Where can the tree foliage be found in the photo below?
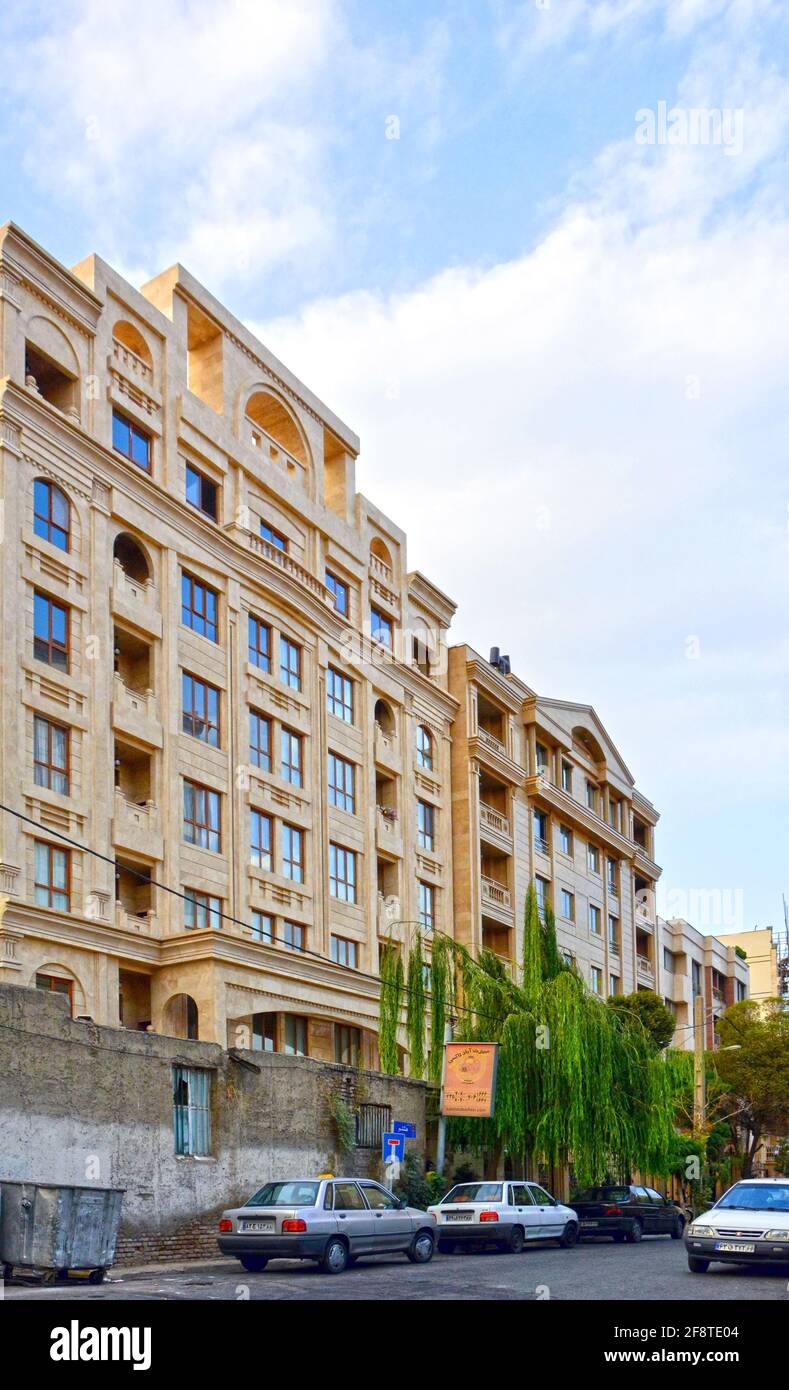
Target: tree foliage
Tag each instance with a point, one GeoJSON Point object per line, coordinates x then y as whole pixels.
{"type": "Point", "coordinates": [755, 1072]}
{"type": "Point", "coordinates": [646, 1010]}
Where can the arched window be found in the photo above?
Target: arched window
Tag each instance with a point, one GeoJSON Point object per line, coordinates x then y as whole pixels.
{"type": "Point", "coordinates": [384, 717]}
{"type": "Point", "coordinates": [424, 747]}
{"type": "Point", "coordinates": [131, 558]}
{"type": "Point", "coordinates": [51, 514]}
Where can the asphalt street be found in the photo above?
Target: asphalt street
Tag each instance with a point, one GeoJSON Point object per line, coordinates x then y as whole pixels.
{"type": "Point", "coordinates": [654, 1270]}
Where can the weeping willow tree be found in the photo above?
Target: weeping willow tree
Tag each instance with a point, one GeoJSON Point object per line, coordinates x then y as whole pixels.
{"type": "Point", "coordinates": [427, 992]}
{"type": "Point", "coordinates": [575, 1081]}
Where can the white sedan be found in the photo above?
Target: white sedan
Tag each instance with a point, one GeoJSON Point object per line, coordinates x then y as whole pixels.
{"type": "Point", "coordinates": [749, 1225]}
{"type": "Point", "coordinates": [504, 1214]}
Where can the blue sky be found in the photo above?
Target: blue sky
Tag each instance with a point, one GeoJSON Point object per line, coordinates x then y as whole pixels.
{"type": "Point", "coordinates": [566, 352]}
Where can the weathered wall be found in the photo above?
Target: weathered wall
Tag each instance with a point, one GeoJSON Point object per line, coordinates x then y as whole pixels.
{"type": "Point", "coordinates": [79, 1103]}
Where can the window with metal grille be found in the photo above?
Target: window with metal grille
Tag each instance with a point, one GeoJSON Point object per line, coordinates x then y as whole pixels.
{"type": "Point", "coordinates": [372, 1123]}
{"type": "Point", "coordinates": [192, 1110]}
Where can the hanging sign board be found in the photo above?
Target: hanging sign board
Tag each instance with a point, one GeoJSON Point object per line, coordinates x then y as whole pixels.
{"type": "Point", "coordinates": [469, 1079]}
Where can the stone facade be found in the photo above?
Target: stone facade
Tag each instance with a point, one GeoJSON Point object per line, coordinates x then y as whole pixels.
{"type": "Point", "coordinates": [85, 1104]}
{"type": "Point", "coordinates": [182, 525]}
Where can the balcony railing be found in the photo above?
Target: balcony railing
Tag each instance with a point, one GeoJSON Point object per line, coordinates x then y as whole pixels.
{"type": "Point", "coordinates": [385, 746]}
{"type": "Point", "coordinates": [144, 921]}
{"type": "Point", "coordinates": [493, 819]}
{"type": "Point", "coordinates": [266, 443]}
{"type": "Point", "coordinates": [133, 590]}
{"type": "Point", "coordinates": [285, 562]}
{"type": "Point", "coordinates": [141, 815]}
{"type": "Point", "coordinates": [645, 967]}
{"type": "Point", "coordinates": [540, 844]}
{"type": "Point", "coordinates": [131, 364]}
{"type": "Point", "coordinates": [490, 741]}
{"type": "Point", "coordinates": [495, 893]}
{"type": "Point", "coordinates": [142, 703]}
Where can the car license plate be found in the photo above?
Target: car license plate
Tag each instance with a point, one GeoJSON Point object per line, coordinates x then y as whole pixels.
{"type": "Point", "coordinates": [460, 1216]}
{"type": "Point", "coordinates": [736, 1247]}
{"type": "Point", "coordinates": [590, 1223]}
{"type": "Point", "coordinates": [265, 1227]}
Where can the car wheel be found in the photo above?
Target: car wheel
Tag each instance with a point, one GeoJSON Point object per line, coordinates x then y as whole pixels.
{"type": "Point", "coordinates": [635, 1233]}
{"type": "Point", "coordinates": [697, 1266]}
{"type": "Point", "coordinates": [516, 1241]}
{"type": "Point", "coordinates": [254, 1263]}
{"type": "Point", "coordinates": [96, 1276]}
{"type": "Point", "coordinates": [335, 1256]}
{"type": "Point", "coordinates": [569, 1236]}
{"type": "Point", "coordinates": [446, 1247]}
{"type": "Point", "coordinates": [677, 1228]}
{"type": "Point", "coordinates": [420, 1251]}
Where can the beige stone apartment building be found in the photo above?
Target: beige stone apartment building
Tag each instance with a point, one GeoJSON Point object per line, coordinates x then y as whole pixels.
{"type": "Point", "coordinates": [539, 790]}
{"type": "Point", "coordinates": [692, 964]}
{"type": "Point", "coordinates": [766, 951]}
{"type": "Point", "coordinates": [218, 674]}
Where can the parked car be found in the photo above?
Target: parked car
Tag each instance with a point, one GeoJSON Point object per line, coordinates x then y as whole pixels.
{"type": "Point", "coordinates": [627, 1212]}
{"type": "Point", "coordinates": [330, 1220]}
{"type": "Point", "coordinates": [505, 1214]}
{"type": "Point", "coordinates": [749, 1225]}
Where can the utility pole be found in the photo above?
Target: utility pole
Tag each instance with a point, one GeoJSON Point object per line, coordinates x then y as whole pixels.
{"type": "Point", "coordinates": [699, 1096]}
{"type": "Point", "coordinates": [441, 1145]}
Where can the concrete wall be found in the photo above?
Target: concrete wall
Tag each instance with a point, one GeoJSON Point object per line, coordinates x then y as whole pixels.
{"type": "Point", "coordinates": [84, 1104]}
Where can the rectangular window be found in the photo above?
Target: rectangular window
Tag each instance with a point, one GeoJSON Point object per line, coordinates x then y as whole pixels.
{"type": "Point", "coordinates": [596, 975]}
{"type": "Point", "coordinates": [289, 663]}
{"type": "Point", "coordinates": [347, 1045]}
{"type": "Point", "coordinates": [56, 985]}
{"type": "Point", "coordinates": [50, 631]}
{"type": "Point", "coordinates": [201, 910]}
{"type": "Point", "coordinates": [381, 627]}
{"type": "Point", "coordinates": [594, 919]}
{"type": "Point", "coordinates": [51, 747]}
{"type": "Point", "coordinates": [293, 936]}
{"type": "Point", "coordinates": [259, 741]}
{"type": "Point", "coordinates": [541, 831]}
{"type": "Point", "coordinates": [695, 968]}
{"type": "Point", "coordinates": [296, 1035]}
{"type": "Point", "coordinates": [340, 593]}
{"type": "Point", "coordinates": [264, 1032]}
{"type": "Point", "coordinates": [541, 887]}
{"type": "Point", "coordinates": [591, 796]}
{"type": "Point", "coordinates": [568, 905]}
{"type": "Point", "coordinates": [613, 812]}
{"type": "Point", "coordinates": [131, 441]}
{"type": "Point", "coordinates": [427, 906]}
{"type": "Point", "coordinates": [260, 841]}
{"type": "Point", "coordinates": [668, 960]}
{"type": "Point", "coordinates": [262, 927]}
{"type": "Point", "coordinates": [593, 858]}
{"type": "Point", "coordinates": [542, 757]}
{"type": "Point", "coordinates": [567, 777]}
{"type": "Point", "coordinates": [291, 761]}
{"type": "Point", "coordinates": [273, 537]}
{"type": "Point", "coordinates": [345, 952]}
{"type": "Point", "coordinates": [565, 839]}
{"type": "Point", "coordinates": [199, 605]}
{"type": "Point", "coordinates": [259, 642]}
{"type": "Point", "coordinates": [341, 784]}
{"type": "Point", "coordinates": [613, 876]}
{"type": "Point", "coordinates": [292, 853]}
{"type": "Point", "coordinates": [339, 695]}
{"type": "Point", "coordinates": [342, 873]}
{"type": "Point", "coordinates": [613, 984]}
{"type": "Point", "coordinates": [202, 824]}
{"type": "Point", "coordinates": [426, 824]}
{"type": "Point", "coordinates": [200, 709]}
{"type": "Point", "coordinates": [192, 1111]}
{"type": "Point", "coordinates": [201, 492]}
{"type": "Point", "coordinates": [52, 876]}
{"type": "Point", "coordinates": [613, 932]}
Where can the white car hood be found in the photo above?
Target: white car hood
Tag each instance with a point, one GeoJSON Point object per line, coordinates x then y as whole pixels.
{"type": "Point", "coordinates": [732, 1219]}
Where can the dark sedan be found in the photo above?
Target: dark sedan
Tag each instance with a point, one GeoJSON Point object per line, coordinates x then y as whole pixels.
{"type": "Point", "coordinates": [627, 1212]}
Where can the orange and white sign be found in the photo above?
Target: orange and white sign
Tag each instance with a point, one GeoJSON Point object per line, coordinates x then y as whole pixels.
{"type": "Point", "coordinates": [469, 1079]}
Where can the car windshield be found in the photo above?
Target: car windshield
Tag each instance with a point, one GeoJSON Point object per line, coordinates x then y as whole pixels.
{"type": "Point", "coordinates": [751, 1196]}
{"type": "Point", "coordinates": [603, 1194]}
{"type": "Point", "coordinates": [473, 1192]}
{"type": "Point", "coordinates": [286, 1194]}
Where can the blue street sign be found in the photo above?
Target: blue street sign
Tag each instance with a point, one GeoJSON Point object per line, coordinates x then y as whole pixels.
{"type": "Point", "coordinates": [394, 1146]}
{"type": "Point", "coordinates": [405, 1128]}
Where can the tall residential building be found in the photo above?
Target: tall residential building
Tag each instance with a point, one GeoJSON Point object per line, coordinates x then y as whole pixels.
{"type": "Point", "coordinates": [539, 791]}
{"type": "Point", "coordinates": [693, 964]}
{"type": "Point", "coordinates": [218, 675]}
{"type": "Point", "coordinates": [765, 950]}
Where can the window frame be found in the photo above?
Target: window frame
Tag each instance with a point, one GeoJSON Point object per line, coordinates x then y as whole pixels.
{"type": "Point", "coordinates": [567, 893]}
{"type": "Point", "coordinates": [272, 536]}
{"type": "Point", "coordinates": [427, 905]}
{"type": "Point", "coordinates": [426, 825]}
{"type": "Point", "coordinates": [52, 644]}
{"type": "Point", "coordinates": [203, 481]}
{"type": "Point", "coordinates": [48, 885]}
{"type": "Point", "coordinates": [192, 1126]}
{"type": "Point", "coordinates": [209, 904]}
{"type": "Point", "coordinates": [336, 585]}
{"type": "Point", "coordinates": [287, 766]}
{"type": "Point", "coordinates": [296, 930]}
{"type": "Point", "coordinates": [293, 835]}
{"type": "Point", "coordinates": [262, 846]}
{"type": "Point", "coordinates": [134, 431]}
{"type": "Point", "coordinates": [205, 798]}
{"type": "Point", "coordinates": [52, 768]}
{"type": "Point", "coordinates": [195, 587]}
{"type": "Point", "coordinates": [263, 761]}
{"type": "Point", "coordinates": [259, 655]}
{"type": "Point", "coordinates": [290, 674]}
{"type": "Point", "coordinates": [379, 622]}
{"type": "Point", "coordinates": [47, 518]}
{"type": "Point", "coordinates": [187, 714]}
{"type": "Point", "coordinates": [258, 931]}
{"type": "Point", "coordinates": [424, 747]}
{"type": "Point", "coordinates": [347, 947]}
{"type": "Point", "coordinates": [343, 877]}
{"type": "Point", "coordinates": [337, 705]}
{"type": "Point", "coordinates": [338, 792]}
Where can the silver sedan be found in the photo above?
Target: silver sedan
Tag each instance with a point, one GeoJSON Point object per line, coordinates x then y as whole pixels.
{"type": "Point", "coordinates": [330, 1220]}
{"type": "Point", "coordinates": [505, 1214]}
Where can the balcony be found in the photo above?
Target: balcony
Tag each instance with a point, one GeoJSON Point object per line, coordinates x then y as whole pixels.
{"type": "Point", "coordinates": [136, 826]}
{"type": "Point", "coordinates": [144, 921]}
{"type": "Point", "coordinates": [389, 836]}
{"type": "Point", "coordinates": [132, 366]}
{"type": "Point", "coordinates": [389, 915]}
{"type": "Point", "coordinates": [496, 899]}
{"type": "Point", "coordinates": [136, 712]}
{"type": "Point", "coordinates": [136, 600]}
{"type": "Point", "coordinates": [387, 748]}
{"type": "Point", "coordinates": [646, 970]}
{"type": "Point", "coordinates": [275, 452]}
{"type": "Point", "coordinates": [382, 582]}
